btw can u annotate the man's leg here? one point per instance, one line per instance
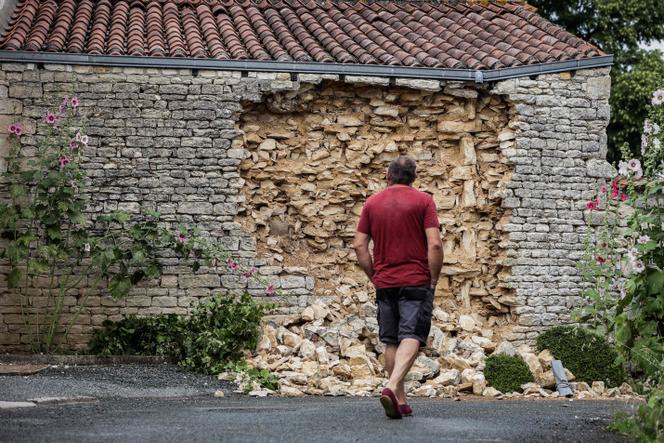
(404, 358)
(415, 307)
(390, 354)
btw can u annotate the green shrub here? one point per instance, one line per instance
(589, 356)
(648, 424)
(217, 332)
(159, 335)
(507, 373)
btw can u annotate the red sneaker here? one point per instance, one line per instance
(405, 410)
(390, 403)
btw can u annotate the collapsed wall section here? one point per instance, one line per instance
(315, 154)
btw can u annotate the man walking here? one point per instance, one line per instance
(407, 258)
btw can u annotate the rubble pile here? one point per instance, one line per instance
(333, 350)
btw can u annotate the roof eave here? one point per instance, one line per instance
(474, 75)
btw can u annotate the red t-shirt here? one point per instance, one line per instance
(396, 218)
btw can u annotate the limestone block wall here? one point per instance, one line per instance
(557, 143)
(160, 140)
(509, 165)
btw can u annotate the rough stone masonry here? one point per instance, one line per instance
(277, 167)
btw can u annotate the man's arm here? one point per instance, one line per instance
(434, 254)
(361, 246)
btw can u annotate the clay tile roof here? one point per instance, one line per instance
(452, 34)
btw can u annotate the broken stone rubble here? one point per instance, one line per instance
(340, 354)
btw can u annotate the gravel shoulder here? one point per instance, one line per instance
(111, 381)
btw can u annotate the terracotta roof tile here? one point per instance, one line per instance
(430, 34)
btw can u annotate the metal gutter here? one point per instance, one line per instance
(478, 76)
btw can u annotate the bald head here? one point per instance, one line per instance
(401, 170)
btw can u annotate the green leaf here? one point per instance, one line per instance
(38, 266)
(54, 233)
(77, 219)
(14, 278)
(153, 270)
(119, 286)
(120, 217)
(17, 191)
(656, 283)
(138, 256)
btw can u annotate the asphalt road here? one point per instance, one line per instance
(147, 407)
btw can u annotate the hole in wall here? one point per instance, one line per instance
(316, 154)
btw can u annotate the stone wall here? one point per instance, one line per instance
(558, 147)
(160, 140)
(509, 165)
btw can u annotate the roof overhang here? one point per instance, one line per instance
(478, 76)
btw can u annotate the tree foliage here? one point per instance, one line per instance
(618, 27)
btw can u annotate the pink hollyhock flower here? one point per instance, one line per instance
(232, 265)
(622, 168)
(64, 161)
(51, 118)
(181, 238)
(591, 205)
(632, 253)
(638, 266)
(603, 189)
(269, 290)
(16, 129)
(643, 239)
(84, 139)
(75, 102)
(658, 97)
(73, 145)
(634, 165)
(623, 197)
(65, 102)
(601, 260)
(644, 143)
(77, 137)
(250, 272)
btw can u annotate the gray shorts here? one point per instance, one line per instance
(404, 313)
